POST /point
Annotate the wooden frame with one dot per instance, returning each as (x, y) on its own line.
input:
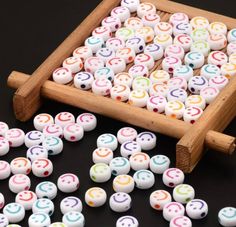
(189, 150)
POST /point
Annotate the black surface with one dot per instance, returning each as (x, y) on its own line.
(30, 31)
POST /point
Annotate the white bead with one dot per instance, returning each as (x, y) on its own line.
(151, 19)
(119, 165)
(138, 98)
(42, 120)
(42, 167)
(95, 197)
(144, 59)
(58, 224)
(199, 22)
(92, 64)
(26, 199)
(209, 71)
(232, 59)
(201, 46)
(71, 203)
(156, 103)
(226, 216)
(53, 144)
(75, 64)
(199, 34)
(73, 219)
(182, 28)
(183, 193)
(115, 43)
(105, 54)
(120, 202)
(175, 109)
(88, 121)
(177, 18)
(102, 155)
(39, 220)
(46, 189)
(43, 205)
(63, 118)
(159, 164)
(180, 221)
(217, 41)
(177, 82)
(5, 170)
(163, 28)
(147, 140)
(146, 33)
(83, 52)
(177, 94)
(163, 40)
(2, 201)
(35, 152)
(139, 161)
(116, 64)
(121, 12)
(196, 101)
(120, 92)
(3, 128)
(100, 173)
(127, 221)
(123, 183)
(155, 50)
(15, 137)
(173, 209)
(183, 40)
(123, 79)
(126, 134)
(136, 43)
(93, 43)
(231, 36)
(159, 76)
(103, 32)
(209, 94)
(73, 132)
(218, 81)
(170, 63)
(132, 5)
(19, 182)
(194, 59)
(107, 140)
(217, 28)
(196, 84)
(62, 75)
(20, 165)
(68, 183)
(53, 130)
(33, 138)
(112, 22)
(126, 53)
(197, 209)
(217, 58)
(104, 72)
(125, 33)
(174, 50)
(159, 198)
(4, 220)
(83, 80)
(141, 83)
(144, 179)
(228, 70)
(192, 114)
(173, 177)
(14, 212)
(145, 8)
(158, 89)
(129, 147)
(4, 146)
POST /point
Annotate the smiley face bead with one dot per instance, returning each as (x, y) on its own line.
(92, 64)
(83, 80)
(197, 209)
(218, 58)
(123, 183)
(88, 121)
(127, 221)
(155, 50)
(180, 221)
(201, 46)
(192, 114)
(146, 33)
(102, 155)
(199, 22)
(133, 23)
(145, 8)
(73, 219)
(177, 18)
(4, 220)
(144, 179)
(183, 193)
(217, 28)
(5, 170)
(43, 205)
(105, 54)
(101, 86)
(62, 75)
(173, 177)
(75, 64)
(227, 216)
(139, 161)
(53, 130)
(126, 134)
(194, 59)
(144, 59)
(173, 209)
(128, 148)
(210, 70)
(83, 52)
(128, 54)
(196, 101)
(158, 89)
(33, 138)
(100, 173)
(53, 145)
(120, 92)
(159, 76)
(182, 28)
(170, 63)
(138, 71)
(209, 93)
(121, 12)
(231, 48)
(159, 198)
(42, 120)
(20, 165)
(107, 140)
(35, 152)
(73, 132)
(68, 183)
(4, 146)
(95, 197)
(151, 19)
(104, 72)
(3, 128)
(163, 40)
(147, 140)
(39, 220)
(94, 44)
(14, 212)
(183, 40)
(141, 83)
(15, 137)
(175, 109)
(124, 33)
(183, 71)
(19, 182)
(42, 167)
(136, 43)
(103, 32)
(174, 50)
(163, 28)
(196, 83)
(26, 199)
(112, 22)
(199, 34)
(46, 189)
(156, 103)
(138, 98)
(120, 202)
(159, 164)
(228, 70)
(132, 5)
(218, 81)
(119, 166)
(116, 64)
(217, 41)
(71, 203)
(177, 83)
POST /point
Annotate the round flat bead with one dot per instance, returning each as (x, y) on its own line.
(228, 70)
(141, 83)
(62, 75)
(159, 198)
(128, 148)
(210, 70)
(159, 164)
(71, 203)
(116, 64)
(103, 32)
(158, 89)
(217, 28)
(73, 219)
(199, 22)
(173, 177)
(138, 98)
(53, 144)
(83, 52)
(123, 183)
(92, 64)
(174, 50)
(199, 34)
(192, 114)
(196, 101)
(177, 94)
(231, 36)
(121, 12)
(68, 183)
(14, 212)
(201, 46)
(132, 5)
(39, 220)
(33, 138)
(173, 209)
(15, 136)
(120, 92)
(182, 28)
(75, 64)
(196, 83)
(156, 103)
(19, 182)
(144, 59)
(145, 8)
(163, 40)
(104, 72)
(151, 19)
(100, 173)
(217, 58)
(119, 166)
(197, 209)
(3, 128)
(183, 193)
(170, 63)
(123, 79)
(177, 18)
(231, 48)
(159, 76)
(146, 33)
(136, 43)
(94, 44)
(83, 80)
(209, 93)
(26, 199)
(104, 54)
(144, 179)
(139, 161)
(217, 41)
(218, 81)
(127, 221)
(183, 71)
(226, 216)
(133, 23)
(5, 170)
(4, 220)
(43, 205)
(175, 109)
(183, 40)
(46, 189)
(73, 132)
(2, 201)
(42, 120)
(177, 82)
(35, 152)
(4, 146)
(115, 43)
(42, 167)
(101, 86)
(126, 134)
(95, 197)
(147, 140)
(180, 221)
(120, 202)
(107, 140)
(20, 165)
(163, 28)
(194, 59)
(53, 130)
(125, 33)
(155, 50)
(128, 54)
(102, 155)
(112, 22)
(88, 121)
(232, 59)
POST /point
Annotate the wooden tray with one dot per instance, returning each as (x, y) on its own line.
(206, 132)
